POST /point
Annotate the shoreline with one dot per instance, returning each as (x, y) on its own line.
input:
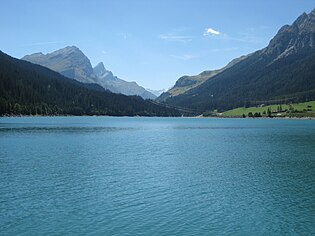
(198, 117)
(258, 118)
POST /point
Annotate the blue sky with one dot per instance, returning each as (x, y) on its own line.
(150, 42)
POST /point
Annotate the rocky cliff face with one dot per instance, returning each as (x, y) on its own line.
(69, 61)
(292, 38)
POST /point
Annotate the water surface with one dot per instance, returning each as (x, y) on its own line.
(156, 176)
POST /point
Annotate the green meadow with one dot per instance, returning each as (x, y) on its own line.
(305, 109)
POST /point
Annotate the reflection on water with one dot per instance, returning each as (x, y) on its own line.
(61, 129)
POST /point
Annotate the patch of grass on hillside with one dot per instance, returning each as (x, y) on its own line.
(198, 79)
(293, 110)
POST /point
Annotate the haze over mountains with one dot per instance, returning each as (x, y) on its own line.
(72, 63)
(156, 92)
(283, 71)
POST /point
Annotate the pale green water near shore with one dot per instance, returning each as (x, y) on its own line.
(156, 176)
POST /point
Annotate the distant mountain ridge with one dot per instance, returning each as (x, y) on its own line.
(156, 92)
(106, 79)
(284, 70)
(72, 63)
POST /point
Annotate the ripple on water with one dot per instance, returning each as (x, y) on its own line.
(141, 176)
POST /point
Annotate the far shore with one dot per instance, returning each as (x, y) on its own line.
(200, 116)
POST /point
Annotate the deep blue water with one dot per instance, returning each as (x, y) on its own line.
(156, 176)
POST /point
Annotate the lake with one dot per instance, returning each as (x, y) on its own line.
(156, 176)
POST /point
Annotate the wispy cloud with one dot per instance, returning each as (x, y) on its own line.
(244, 38)
(224, 49)
(210, 31)
(124, 35)
(176, 38)
(184, 57)
(247, 35)
(45, 43)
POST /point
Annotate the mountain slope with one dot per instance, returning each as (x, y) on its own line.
(284, 70)
(72, 63)
(26, 88)
(107, 80)
(186, 83)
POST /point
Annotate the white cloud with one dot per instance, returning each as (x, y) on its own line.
(175, 38)
(210, 31)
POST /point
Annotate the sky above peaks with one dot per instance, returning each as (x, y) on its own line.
(150, 42)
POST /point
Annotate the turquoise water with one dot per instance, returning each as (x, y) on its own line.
(156, 176)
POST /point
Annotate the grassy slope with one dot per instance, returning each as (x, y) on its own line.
(199, 79)
(298, 106)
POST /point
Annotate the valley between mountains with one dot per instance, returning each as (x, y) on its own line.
(64, 82)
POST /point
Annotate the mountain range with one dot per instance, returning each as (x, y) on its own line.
(31, 89)
(72, 63)
(282, 72)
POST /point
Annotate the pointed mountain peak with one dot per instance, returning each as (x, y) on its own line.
(99, 70)
(300, 21)
(100, 66)
(305, 22)
(69, 49)
(291, 38)
(73, 47)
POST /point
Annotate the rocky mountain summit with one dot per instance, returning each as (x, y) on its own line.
(72, 63)
(292, 38)
(68, 61)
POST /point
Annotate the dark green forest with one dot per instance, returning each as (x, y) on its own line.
(29, 89)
